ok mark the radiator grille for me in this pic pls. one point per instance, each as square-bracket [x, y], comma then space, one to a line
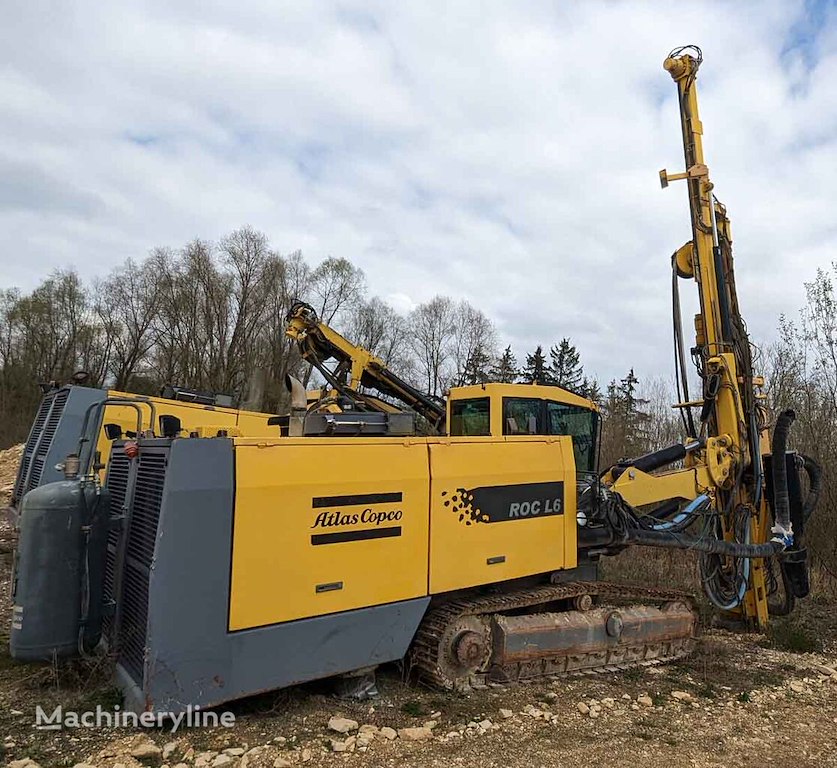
[50, 427]
[117, 484]
[145, 509]
[142, 533]
[132, 631]
[31, 443]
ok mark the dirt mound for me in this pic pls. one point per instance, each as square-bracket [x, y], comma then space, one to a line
[9, 462]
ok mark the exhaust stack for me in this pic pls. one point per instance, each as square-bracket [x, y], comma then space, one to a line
[299, 406]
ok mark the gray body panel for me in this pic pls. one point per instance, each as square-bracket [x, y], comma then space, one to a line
[191, 657]
[45, 448]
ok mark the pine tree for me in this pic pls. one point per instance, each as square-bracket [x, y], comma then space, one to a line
[590, 388]
[625, 429]
[613, 401]
[535, 371]
[505, 368]
[476, 369]
[565, 368]
[635, 419]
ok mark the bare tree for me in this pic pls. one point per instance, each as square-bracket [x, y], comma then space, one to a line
[248, 258]
[473, 338]
[127, 302]
[376, 326]
[335, 285]
[432, 327]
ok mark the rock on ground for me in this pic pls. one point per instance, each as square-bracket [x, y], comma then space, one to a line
[342, 725]
[415, 734]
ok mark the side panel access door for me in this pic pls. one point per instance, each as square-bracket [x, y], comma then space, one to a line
[500, 510]
[326, 525]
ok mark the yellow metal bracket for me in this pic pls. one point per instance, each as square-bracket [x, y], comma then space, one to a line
[695, 172]
[719, 460]
[684, 259]
[639, 488]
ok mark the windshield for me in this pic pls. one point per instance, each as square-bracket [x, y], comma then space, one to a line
[582, 424]
[535, 416]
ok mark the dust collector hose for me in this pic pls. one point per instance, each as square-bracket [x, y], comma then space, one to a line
[814, 471]
[781, 499]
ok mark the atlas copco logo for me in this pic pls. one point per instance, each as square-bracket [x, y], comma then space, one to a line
[501, 503]
[367, 517]
[381, 523]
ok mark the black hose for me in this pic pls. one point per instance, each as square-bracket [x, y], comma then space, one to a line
[712, 546]
[89, 515]
[779, 446]
[785, 608]
[814, 471]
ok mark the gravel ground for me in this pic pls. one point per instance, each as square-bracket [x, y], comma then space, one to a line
[741, 700]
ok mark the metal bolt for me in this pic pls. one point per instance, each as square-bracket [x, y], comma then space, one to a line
[614, 624]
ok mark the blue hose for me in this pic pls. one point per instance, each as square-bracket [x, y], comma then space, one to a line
[691, 508]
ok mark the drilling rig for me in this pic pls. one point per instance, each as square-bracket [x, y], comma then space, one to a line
[461, 536]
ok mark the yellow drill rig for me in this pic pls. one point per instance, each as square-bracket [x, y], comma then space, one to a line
[470, 551]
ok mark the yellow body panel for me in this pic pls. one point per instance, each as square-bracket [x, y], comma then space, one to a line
[207, 420]
[300, 550]
[324, 525]
[191, 415]
[477, 535]
[254, 424]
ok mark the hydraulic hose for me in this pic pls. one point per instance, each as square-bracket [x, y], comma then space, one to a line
[781, 499]
[720, 594]
[89, 515]
[684, 518]
[669, 540]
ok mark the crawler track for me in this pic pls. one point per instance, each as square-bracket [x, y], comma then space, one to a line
[435, 661]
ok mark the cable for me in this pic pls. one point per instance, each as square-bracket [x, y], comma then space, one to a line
[683, 49]
[680, 371]
[725, 586]
[686, 517]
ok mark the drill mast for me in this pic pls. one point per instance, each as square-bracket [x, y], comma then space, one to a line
[732, 419]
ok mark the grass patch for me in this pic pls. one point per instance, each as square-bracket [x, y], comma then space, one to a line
[633, 674]
[768, 676]
[792, 636]
[414, 708]
[6, 661]
[707, 691]
[107, 697]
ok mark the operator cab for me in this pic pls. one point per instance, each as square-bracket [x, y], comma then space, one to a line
[509, 410]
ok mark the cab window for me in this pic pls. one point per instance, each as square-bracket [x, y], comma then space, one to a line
[581, 424]
[470, 417]
[522, 416]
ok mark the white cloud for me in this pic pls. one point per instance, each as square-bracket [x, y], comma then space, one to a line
[501, 152]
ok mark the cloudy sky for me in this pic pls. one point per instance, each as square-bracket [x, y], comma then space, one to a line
[504, 152]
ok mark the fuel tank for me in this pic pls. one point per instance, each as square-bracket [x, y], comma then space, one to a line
[59, 570]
